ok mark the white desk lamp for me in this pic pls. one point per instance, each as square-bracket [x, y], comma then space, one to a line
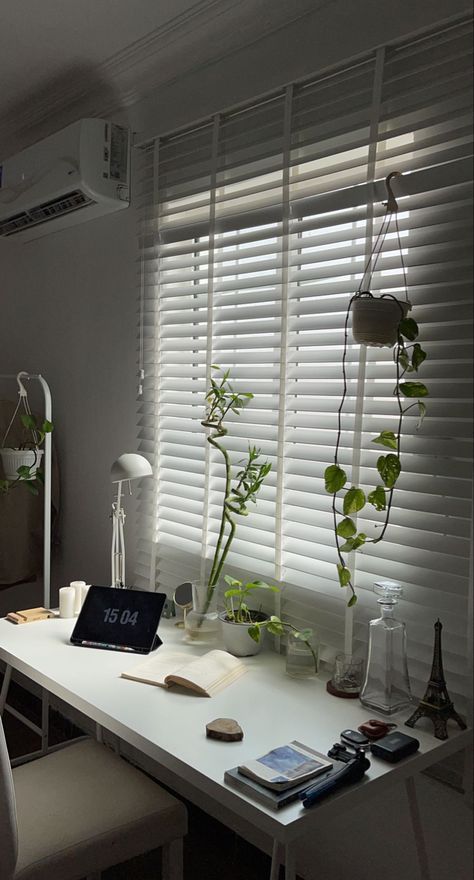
[127, 467]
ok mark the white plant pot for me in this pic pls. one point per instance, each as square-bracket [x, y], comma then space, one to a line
[236, 637]
[12, 459]
[375, 320]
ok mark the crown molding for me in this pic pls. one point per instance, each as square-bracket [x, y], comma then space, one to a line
[209, 31]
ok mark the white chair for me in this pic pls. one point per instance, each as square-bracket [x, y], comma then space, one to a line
[79, 810]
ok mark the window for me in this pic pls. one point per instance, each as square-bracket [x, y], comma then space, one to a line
[255, 230]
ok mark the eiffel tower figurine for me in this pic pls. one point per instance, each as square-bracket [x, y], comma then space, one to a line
[436, 703]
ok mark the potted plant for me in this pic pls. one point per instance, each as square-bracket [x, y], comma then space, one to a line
[349, 500]
[375, 320]
[240, 490]
[22, 464]
[237, 618]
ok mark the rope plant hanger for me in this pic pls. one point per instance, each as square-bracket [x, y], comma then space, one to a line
[377, 321]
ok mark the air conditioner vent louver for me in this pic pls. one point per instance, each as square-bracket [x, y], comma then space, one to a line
[64, 204]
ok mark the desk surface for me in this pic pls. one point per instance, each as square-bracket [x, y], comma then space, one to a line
[169, 725]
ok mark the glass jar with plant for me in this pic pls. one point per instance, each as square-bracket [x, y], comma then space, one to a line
[298, 665]
[239, 491]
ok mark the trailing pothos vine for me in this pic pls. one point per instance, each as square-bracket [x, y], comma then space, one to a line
[349, 501]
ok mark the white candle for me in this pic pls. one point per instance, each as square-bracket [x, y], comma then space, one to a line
[84, 592]
[67, 596]
[77, 587]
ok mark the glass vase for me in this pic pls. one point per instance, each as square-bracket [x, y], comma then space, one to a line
[387, 685]
[302, 657]
[202, 621]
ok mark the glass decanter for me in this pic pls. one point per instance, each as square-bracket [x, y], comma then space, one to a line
[387, 686]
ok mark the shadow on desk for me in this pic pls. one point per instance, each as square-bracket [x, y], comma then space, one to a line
[211, 850]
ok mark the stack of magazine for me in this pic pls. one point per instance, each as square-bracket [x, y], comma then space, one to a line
[278, 777]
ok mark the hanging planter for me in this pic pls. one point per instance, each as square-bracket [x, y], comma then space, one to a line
[22, 463]
[376, 321]
[15, 459]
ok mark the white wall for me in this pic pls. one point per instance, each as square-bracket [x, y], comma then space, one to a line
[69, 312]
[69, 300]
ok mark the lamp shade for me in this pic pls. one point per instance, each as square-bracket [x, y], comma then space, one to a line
[130, 466]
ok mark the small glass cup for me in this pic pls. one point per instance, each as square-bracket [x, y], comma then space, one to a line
[302, 656]
[348, 674]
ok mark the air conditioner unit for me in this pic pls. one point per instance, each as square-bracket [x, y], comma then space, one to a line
[74, 175]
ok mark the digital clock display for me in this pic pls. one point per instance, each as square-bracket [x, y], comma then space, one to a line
[112, 617]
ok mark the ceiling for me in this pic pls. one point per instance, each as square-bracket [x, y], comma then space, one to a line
[61, 58]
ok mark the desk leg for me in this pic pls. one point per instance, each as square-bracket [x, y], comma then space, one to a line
[277, 853]
[44, 722]
[4, 691]
[283, 855]
[417, 829]
[290, 862]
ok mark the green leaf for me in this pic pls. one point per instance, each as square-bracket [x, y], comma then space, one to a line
[24, 471]
[354, 500]
[408, 328]
[229, 593]
[304, 634]
[344, 575]
[389, 468]
[377, 498]
[404, 360]
[418, 356]
[232, 581]
[275, 627]
[47, 427]
[422, 413]
[346, 528]
[335, 478]
[254, 632]
[352, 601]
[413, 389]
[28, 421]
[353, 543]
[386, 438]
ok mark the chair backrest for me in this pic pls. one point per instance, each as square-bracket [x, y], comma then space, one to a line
[8, 825]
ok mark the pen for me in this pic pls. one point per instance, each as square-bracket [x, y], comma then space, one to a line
[351, 772]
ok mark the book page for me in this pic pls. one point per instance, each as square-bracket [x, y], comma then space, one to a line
[286, 765]
[154, 669]
[208, 674]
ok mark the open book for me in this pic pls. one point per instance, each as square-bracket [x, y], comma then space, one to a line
[206, 675]
[286, 766]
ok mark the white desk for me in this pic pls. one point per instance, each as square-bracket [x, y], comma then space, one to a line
[169, 725]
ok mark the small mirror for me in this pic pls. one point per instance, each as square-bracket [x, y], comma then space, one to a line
[183, 598]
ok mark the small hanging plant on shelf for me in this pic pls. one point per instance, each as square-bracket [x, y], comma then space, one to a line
[22, 463]
[349, 500]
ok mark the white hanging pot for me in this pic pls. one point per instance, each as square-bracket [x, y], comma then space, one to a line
[236, 636]
[12, 459]
[375, 320]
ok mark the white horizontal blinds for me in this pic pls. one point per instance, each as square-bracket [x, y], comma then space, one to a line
[426, 106]
[261, 241]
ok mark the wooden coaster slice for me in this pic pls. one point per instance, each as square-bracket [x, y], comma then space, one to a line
[225, 729]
